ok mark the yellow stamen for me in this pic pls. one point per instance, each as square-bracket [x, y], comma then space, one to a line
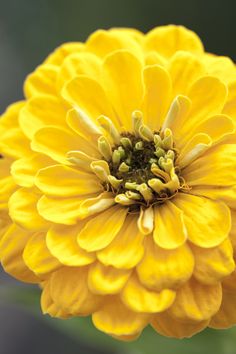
[156, 184]
[174, 184]
[104, 148]
[115, 182]
[126, 142]
[157, 140]
[159, 152]
[123, 167]
[133, 195]
[145, 133]
[116, 157]
[167, 164]
[167, 142]
[146, 192]
[124, 200]
[131, 185]
[101, 169]
[121, 151]
[137, 119]
[170, 155]
[139, 145]
[160, 173]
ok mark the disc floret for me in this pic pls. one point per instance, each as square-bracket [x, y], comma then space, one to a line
[138, 166]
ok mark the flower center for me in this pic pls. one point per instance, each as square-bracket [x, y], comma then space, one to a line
[138, 166]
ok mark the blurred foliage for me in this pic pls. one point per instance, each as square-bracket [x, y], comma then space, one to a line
[82, 330]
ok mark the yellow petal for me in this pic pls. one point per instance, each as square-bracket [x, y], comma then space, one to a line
[41, 111]
[208, 222]
[78, 64]
[125, 95]
[48, 306]
[12, 245]
[7, 184]
[83, 125]
[127, 338]
[24, 170]
[88, 95]
[126, 250]
[139, 299]
[4, 223]
[216, 168]
[116, 319]
[232, 234]
[13, 142]
[229, 283]
[23, 210]
[146, 220]
[102, 229]
[170, 231]
[177, 115]
[196, 301]
[196, 146]
[213, 264]
[167, 40]
[208, 96]
[162, 269]
[37, 256]
[230, 105]
[62, 243]
[7, 187]
[60, 210]
[152, 58]
[41, 81]
[64, 181]
[60, 53]
[157, 84]
[184, 68]
[103, 42]
[80, 159]
[226, 316]
[221, 67]
[169, 326]
[106, 280]
[55, 143]
[218, 127]
[70, 292]
[226, 195]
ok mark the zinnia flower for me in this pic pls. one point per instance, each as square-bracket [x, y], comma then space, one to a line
[125, 161]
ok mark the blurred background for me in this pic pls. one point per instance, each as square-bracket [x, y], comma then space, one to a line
[29, 31]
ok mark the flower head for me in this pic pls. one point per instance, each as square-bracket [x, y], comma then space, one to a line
[124, 157]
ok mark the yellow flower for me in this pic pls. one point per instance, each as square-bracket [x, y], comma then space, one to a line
[7, 187]
[125, 160]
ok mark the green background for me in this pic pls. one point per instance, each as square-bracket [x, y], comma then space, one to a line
[29, 31]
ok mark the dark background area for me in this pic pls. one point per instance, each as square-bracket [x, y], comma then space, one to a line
[29, 31]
